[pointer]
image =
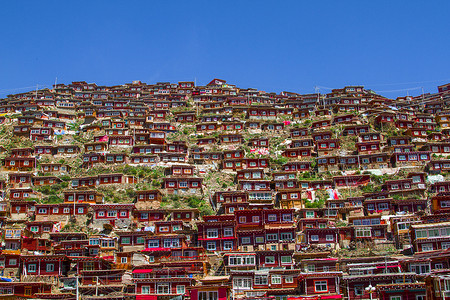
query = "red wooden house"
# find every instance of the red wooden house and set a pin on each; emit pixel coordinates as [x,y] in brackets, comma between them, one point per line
[21,152]
[120,140]
[322,236]
[250,174]
[24,290]
[417,158]
[45,149]
[230,139]
[83,196]
[430,237]
[259,143]
[41,133]
[298,132]
[67,149]
[217,233]
[326,146]
[180,170]
[149,215]
[148,195]
[54,168]
[116,215]
[368,228]
[406,290]
[185,215]
[60,211]
[19,194]
[177,146]
[180,184]
[355,130]
[376,206]
[351,180]
[115,158]
[148,149]
[111,179]
[159,284]
[45,265]
[296,153]
[255,163]
[20,163]
[368,147]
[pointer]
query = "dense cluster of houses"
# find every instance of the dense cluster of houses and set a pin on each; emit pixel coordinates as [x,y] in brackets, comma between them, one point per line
[337,195]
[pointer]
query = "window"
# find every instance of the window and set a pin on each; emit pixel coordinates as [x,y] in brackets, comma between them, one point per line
[285,259]
[228,245]
[314,238]
[427,247]
[261,280]
[228,232]
[242,283]
[153,243]
[286,236]
[272,237]
[270,259]
[310,214]
[287,217]
[50,268]
[363,232]
[289,279]
[421,233]
[212,233]
[359,290]
[126,240]
[32,268]
[321,286]
[329,238]
[255,219]
[245,240]
[80,210]
[276,279]
[242,219]
[395,298]
[211,246]
[207,295]
[163,288]
[124,260]
[181,289]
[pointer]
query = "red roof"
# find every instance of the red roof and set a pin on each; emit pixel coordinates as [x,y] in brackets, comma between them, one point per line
[142,271]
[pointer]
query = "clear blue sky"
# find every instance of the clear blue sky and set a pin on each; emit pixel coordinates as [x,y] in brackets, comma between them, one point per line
[268,45]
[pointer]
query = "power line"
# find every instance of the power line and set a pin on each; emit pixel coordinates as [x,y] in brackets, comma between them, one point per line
[24,88]
[400,90]
[416,82]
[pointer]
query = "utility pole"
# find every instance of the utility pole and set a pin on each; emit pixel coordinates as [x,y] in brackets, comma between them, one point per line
[77,293]
[423,98]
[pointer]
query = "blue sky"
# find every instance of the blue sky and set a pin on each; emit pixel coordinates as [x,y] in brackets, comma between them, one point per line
[387,46]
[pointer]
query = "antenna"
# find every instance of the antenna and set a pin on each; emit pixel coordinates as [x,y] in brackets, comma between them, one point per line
[56,81]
